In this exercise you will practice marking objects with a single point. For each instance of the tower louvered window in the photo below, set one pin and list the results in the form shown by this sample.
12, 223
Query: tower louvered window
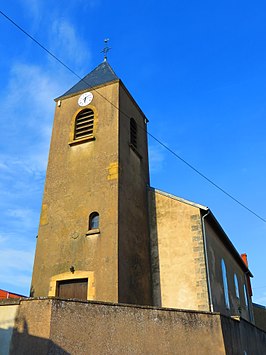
133, 132
84, 124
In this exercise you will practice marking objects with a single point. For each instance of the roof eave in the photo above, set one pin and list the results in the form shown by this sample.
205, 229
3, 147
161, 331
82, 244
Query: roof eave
228, 243
180, 199
62, 97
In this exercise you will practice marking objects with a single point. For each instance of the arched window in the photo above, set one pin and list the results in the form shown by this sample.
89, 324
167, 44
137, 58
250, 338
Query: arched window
84, 124
246, 296
94, 220
133, 133
236, 286
247, 304
226, 293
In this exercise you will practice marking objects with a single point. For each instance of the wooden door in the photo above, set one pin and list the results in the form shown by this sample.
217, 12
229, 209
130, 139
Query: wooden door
76, 288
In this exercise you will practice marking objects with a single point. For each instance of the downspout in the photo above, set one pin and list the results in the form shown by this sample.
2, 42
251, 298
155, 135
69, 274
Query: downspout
207, 261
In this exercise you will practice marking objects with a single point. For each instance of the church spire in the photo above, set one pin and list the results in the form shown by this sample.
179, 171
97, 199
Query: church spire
102, 74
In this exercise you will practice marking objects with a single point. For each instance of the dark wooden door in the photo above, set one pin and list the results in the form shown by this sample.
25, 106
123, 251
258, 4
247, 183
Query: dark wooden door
73, 289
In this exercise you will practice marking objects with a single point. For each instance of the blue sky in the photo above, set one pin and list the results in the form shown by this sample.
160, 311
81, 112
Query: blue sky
197, 70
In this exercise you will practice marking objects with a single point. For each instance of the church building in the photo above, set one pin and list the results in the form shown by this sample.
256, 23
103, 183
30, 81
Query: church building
106, 235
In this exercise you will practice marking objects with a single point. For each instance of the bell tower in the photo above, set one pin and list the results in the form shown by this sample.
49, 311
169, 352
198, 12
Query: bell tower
93, 239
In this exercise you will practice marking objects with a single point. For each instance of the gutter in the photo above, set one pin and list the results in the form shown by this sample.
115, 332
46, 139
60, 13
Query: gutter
207, 261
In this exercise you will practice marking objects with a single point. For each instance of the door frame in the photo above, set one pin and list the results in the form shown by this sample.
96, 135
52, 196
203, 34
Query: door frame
73, 276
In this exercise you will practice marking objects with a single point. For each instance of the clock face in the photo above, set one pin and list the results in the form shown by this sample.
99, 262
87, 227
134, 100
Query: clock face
85, 99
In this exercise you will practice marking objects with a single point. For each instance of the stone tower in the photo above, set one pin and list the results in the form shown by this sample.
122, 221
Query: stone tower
93, 240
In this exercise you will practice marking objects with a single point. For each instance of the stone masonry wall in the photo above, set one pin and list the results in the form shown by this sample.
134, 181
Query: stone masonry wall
53, 326
199, 262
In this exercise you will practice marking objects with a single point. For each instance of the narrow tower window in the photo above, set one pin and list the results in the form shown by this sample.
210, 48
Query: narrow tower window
94, 220
133, 133
226, 292
84, 124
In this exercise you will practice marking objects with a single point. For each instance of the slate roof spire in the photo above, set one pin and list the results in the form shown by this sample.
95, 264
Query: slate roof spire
101, 75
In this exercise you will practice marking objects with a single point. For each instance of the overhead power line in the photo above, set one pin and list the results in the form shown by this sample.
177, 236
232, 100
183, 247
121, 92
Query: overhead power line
206, 178
151, 135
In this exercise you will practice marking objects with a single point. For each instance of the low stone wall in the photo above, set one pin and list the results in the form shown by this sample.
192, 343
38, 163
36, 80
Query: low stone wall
132, 330
241, 337
52, 326
260, 316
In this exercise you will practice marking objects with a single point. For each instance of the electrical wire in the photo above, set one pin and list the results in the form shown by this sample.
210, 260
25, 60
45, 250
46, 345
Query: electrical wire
151, 135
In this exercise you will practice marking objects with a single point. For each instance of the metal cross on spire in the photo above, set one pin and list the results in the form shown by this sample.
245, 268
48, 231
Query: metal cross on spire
106, 49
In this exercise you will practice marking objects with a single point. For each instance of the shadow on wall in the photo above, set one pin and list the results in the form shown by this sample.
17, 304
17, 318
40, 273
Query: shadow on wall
155, 265
16, 343
241, 337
